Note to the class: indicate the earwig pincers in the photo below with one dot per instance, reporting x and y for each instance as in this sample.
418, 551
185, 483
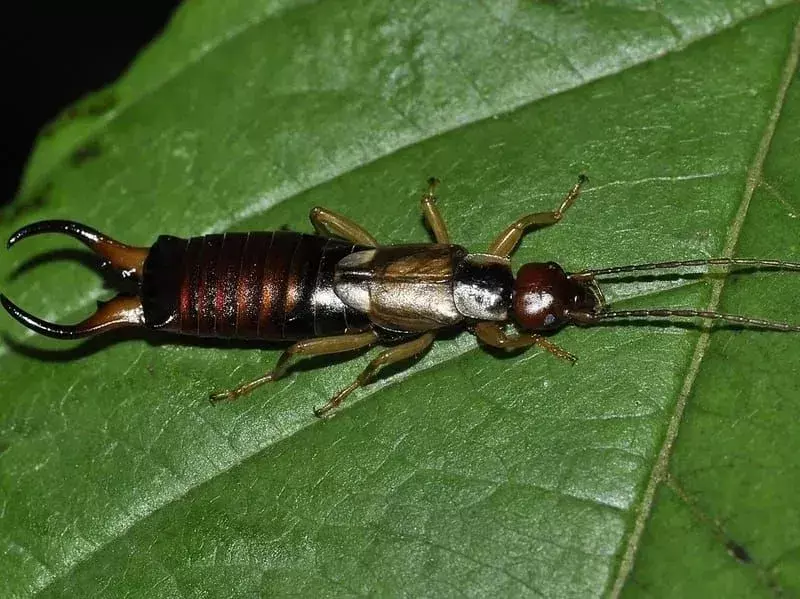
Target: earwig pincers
340, 290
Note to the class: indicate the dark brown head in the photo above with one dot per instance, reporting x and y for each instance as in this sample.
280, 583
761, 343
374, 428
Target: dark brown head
547, 298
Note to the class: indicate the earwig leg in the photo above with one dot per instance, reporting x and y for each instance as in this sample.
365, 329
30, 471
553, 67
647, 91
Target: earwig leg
329, 223
308, 347
432, 215
491, 334
389, 356
507, 241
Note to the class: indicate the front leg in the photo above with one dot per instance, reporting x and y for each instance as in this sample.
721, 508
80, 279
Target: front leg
491, 334
505, 243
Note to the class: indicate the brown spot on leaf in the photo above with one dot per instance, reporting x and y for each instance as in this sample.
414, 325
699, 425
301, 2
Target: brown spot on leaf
86, 152
23, 205
739, 552
94, 105
102, 103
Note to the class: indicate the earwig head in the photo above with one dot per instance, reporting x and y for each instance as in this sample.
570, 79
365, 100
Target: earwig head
545, 296
119, 312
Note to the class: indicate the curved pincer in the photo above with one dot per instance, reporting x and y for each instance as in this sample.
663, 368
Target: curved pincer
123, 310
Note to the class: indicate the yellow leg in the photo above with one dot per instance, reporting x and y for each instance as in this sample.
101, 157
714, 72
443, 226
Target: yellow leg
507, 241
432, 215
308, 347
330, 224
389, 356
491, 334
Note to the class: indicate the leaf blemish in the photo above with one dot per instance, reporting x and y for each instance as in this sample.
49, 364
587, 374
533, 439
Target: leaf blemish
734, 549
24, 205
86, 152
102, 104
93, 106
96, 105
738, 552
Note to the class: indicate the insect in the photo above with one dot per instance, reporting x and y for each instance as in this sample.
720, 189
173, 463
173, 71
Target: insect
341, 291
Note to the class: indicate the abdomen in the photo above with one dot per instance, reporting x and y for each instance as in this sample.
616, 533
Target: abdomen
260, 285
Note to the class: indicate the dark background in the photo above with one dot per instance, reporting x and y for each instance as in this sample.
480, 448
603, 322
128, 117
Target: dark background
55, 52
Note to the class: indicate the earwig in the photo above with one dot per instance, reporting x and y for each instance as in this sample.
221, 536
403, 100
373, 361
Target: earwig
340, 291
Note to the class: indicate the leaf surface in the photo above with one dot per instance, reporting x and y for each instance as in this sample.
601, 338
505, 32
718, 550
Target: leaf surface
645, 469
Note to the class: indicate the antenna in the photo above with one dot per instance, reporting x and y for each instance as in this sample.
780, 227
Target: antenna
602, 313
776, 264
594, 318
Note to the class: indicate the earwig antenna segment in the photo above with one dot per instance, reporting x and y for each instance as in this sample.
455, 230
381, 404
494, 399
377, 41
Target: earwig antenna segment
341, 291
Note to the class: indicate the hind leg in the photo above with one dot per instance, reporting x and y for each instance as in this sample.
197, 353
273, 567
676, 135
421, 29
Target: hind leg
330, 224
309, 347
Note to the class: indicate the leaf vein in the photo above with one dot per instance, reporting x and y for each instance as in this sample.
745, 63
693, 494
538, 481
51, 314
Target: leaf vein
661, 467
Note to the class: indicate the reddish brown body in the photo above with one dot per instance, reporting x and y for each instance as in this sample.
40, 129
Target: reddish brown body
259, 285
341, 291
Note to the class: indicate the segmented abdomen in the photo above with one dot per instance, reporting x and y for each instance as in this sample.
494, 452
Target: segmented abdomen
260, 285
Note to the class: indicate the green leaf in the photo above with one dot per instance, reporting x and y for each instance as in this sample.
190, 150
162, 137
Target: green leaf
643, 470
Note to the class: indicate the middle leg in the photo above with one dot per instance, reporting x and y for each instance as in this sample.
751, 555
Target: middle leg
389, 356
432, 215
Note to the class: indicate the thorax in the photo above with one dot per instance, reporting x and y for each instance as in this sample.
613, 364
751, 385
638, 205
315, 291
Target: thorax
402, 287
414, 288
